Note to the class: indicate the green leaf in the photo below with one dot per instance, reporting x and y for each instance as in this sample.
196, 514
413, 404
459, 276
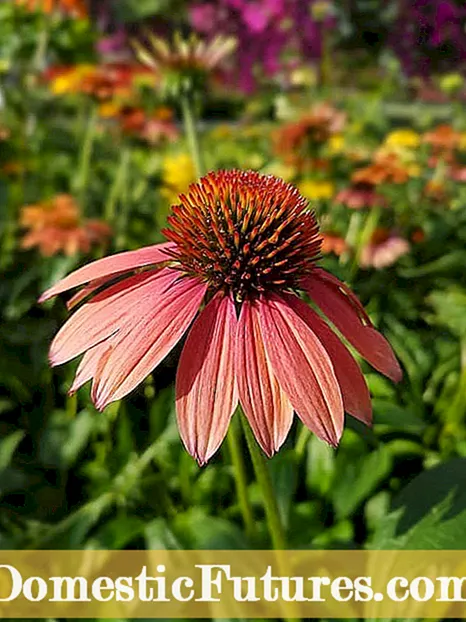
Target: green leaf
430, 488
320, 467
359, 479
8, 446
200, 531
284, 476
433, 532
396, 417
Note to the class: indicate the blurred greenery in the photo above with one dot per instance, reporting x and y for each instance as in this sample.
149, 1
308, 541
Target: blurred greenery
71, 477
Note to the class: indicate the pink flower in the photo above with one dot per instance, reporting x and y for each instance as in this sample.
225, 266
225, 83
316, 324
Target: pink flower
359, 196
384, 249
241, 246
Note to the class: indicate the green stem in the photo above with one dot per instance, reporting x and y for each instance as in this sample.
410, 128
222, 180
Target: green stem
85, 157
272, 513
117, 187
239, 473
301, 443
192, 137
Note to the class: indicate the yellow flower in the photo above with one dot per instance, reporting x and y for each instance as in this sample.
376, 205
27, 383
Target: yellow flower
315, 189
109, 110
403, 138
462, 142
336, 144
69, 81
177, 173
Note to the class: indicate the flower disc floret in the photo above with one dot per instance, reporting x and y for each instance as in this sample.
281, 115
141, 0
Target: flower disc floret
244, 233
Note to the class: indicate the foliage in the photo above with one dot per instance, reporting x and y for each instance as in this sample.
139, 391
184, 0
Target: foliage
71, 477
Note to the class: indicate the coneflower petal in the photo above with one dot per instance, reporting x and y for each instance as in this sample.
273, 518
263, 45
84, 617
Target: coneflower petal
266, 406
206, 395
345, 311
356, 397
302, 367
88, 365
108, 266
104, 315
144, 341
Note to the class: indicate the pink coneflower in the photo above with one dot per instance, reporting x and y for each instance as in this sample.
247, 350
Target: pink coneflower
384, 249
242, 246
359, 196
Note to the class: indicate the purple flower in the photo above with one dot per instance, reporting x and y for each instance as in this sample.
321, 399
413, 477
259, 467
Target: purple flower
267, 31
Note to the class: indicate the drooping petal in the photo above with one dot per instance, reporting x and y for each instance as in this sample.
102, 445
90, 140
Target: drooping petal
266, 406
104, 314
345, 311
109, 266
302, 367
87, 368
356, 397
144, 341
206, 395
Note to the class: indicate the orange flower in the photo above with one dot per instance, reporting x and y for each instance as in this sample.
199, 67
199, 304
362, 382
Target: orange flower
443, 138
72, 7
435, 189
55, 226
134, 121
333, 243
100, 81
297, 141
386, 169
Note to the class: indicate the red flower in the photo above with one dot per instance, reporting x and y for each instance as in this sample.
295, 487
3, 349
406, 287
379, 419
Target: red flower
241, 246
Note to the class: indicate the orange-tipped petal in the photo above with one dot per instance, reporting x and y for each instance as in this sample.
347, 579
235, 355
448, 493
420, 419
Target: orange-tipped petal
145, 340
104, 314
266, 406
206, 395
303, 368
356, 397
345, 311
108, 266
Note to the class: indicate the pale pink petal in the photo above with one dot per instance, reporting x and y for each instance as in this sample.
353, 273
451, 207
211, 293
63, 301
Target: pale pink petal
145, 339
266, 406
345, 311
104, 314
109, 266
356, 397
302, 367
206, 395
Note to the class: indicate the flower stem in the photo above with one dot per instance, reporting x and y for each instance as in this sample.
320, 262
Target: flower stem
190, 128
274, 522
239, 473
85, 158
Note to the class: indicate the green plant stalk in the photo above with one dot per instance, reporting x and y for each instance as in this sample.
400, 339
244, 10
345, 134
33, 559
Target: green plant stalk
364, 235
116, 188
85, 158
272, 513
239, 474
190, 128
301, 442
274, 522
